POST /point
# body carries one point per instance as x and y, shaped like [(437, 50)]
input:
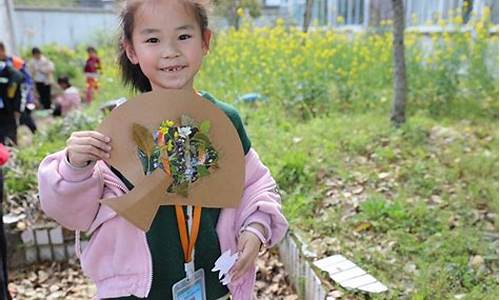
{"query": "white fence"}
[(66, 26), (363, 13), (73, 26)]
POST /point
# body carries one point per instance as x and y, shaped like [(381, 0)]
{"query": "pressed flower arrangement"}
[(183, 151)]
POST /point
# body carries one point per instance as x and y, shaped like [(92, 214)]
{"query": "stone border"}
[(299, 268), (50, 242)]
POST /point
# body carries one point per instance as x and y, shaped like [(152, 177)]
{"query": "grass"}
[(411, 206)]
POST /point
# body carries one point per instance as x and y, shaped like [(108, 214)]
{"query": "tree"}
[(399, 67), (307, 15)]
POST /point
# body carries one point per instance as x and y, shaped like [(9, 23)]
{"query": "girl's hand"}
[(248, 246), (84, 147)]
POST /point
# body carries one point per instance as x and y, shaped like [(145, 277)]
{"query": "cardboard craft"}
[(223, 187)]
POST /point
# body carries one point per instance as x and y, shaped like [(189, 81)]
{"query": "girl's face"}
[(167, 43)]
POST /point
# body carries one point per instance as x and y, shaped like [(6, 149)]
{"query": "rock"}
[(383, 175), (53, 288), (334, 295), (476, 262)]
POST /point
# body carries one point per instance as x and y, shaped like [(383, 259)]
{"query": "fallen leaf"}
[(383, 175), (363, 226)]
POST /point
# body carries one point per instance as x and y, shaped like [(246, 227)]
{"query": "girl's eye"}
[(184, 37), (152, 40)]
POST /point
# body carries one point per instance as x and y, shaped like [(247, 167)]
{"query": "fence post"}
[(366, 13), (349, 13), (335, 10)]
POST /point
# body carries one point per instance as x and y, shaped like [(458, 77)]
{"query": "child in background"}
[(41, 70), (162, 47), (69, 100), (92, 69)]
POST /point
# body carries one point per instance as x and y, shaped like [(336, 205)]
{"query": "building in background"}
[(364, 13), (7, 27), (80, 21)]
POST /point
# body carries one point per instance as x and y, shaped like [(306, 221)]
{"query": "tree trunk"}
[(399, 73), (467, 10), (307, 15), (233, 14)]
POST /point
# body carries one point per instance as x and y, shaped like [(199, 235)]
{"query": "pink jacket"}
[(69, 100), (117, 257)]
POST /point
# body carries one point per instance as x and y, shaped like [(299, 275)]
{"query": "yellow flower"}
[(240, 12), (165, 125)]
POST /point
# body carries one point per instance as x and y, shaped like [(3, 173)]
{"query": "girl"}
[(162, 47), (91, 70), (41, 69), (69, 99)]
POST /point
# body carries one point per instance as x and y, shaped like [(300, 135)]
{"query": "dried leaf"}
[(358, 190), (363, 226), (143, 138), (383, 175), (187, 121)]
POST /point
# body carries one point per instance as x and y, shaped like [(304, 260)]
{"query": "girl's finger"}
[(94, 142), (85, 157), (242, 265), (89, 149), (93, 134), (235, 273)]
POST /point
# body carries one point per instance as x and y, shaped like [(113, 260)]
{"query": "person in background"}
[(41, 69), (27, 99), (92, 69), (69, 100), (10, 101)]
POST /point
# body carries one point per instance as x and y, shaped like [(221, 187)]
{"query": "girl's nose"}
[(169, 51)]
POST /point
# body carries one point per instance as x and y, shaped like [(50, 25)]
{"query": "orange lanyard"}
[(188, 246)]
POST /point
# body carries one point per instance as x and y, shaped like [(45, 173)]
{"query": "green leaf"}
[(182, 189), (202, 138), (144, 160), (203, 171), (205, 126)]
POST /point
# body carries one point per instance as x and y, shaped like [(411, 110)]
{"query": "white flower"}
[(185, 131)]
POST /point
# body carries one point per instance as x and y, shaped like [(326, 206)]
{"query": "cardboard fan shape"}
[(175, 147)]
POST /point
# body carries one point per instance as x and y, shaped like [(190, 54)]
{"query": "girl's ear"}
[(129, 50), (207, 36)]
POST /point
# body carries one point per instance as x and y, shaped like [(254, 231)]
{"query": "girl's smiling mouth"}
[(175, 68)]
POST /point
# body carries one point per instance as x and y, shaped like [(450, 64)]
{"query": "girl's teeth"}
[(174, 69)]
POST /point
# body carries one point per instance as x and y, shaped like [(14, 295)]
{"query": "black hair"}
[(63, 80)]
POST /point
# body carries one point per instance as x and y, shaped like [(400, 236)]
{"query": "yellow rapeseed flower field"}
[(329, 66)]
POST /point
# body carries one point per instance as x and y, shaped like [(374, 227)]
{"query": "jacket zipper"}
[(148, 277)]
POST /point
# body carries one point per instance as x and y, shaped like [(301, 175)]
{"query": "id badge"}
[(193, 289)]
